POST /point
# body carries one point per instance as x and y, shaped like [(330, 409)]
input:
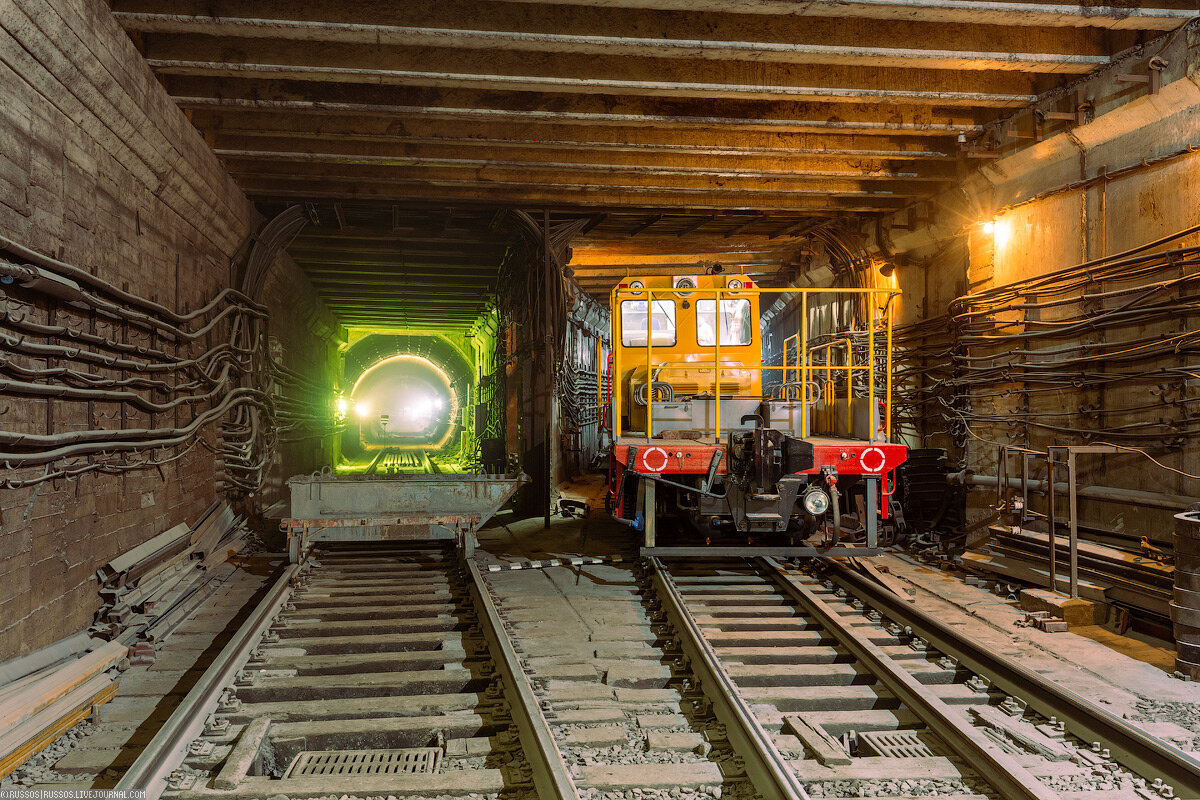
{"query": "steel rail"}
[(1001, 770), (766, 767), (551, 777), (167, 749), (1131, 747)]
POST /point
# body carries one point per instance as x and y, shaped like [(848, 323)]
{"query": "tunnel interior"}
[(243, 242), (407, 392)]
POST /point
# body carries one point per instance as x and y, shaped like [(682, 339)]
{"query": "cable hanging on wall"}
[(130, 384)]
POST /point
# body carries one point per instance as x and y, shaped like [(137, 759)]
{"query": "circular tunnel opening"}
[(405, 401)]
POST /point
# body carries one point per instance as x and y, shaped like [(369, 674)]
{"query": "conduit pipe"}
[(84, 278), (1170, 502)]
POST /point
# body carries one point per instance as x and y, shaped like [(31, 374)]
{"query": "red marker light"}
[(749, 284), (622, 285)]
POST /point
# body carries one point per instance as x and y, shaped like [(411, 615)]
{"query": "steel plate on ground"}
[(411, 761)]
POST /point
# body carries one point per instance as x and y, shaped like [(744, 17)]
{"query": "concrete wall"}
[(1057, 209), (99, 168)]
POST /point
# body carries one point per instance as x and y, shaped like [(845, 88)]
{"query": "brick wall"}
[(99, 168)]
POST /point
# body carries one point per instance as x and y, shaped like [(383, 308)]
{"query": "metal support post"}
[(1050, 464), (1074, 542), (1025, 486), (872, 512), (649, 510), (547, 264)]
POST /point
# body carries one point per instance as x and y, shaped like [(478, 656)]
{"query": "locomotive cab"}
[(791, 456)]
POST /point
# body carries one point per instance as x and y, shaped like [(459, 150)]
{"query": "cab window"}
[(734, 321), (633, 323)]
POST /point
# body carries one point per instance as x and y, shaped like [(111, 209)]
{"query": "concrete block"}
[(649, 697), (1073, 611), (623, 650), (639, 675), (674, 742), (607, 736), (589, 716), (568, 672), (467, 748), (573, 692), (653, 721)]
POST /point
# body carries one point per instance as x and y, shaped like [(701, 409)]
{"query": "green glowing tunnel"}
[(407, 392)]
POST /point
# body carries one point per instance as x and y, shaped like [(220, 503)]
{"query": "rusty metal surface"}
[(464, 502)]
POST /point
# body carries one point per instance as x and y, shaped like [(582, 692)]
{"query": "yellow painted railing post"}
[(717, 358), (617, 387), (649, 362), (850, 386), (599, 385), (802, 351), (871, 367), (890, 312)]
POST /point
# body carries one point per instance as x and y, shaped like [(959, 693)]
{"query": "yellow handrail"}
[(804, 362), (717, 358)]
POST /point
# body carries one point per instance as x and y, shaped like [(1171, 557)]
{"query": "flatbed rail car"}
[(793, 459)]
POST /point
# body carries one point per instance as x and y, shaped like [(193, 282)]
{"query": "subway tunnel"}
[(683, 278)]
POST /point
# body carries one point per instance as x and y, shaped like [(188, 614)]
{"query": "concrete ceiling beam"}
[(825, 165), (481, 167), (558, 84), (943, 126), (280, 190), (827, 41), (235, 127), (745, 187), (1161, 16)]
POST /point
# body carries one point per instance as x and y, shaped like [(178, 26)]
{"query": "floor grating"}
[(411, 761)]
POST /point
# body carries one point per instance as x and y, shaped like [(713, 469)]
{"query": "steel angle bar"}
[(703, 551), (167, 749), (766, 767), (550, 774), (1130, 746), (1010, 779)]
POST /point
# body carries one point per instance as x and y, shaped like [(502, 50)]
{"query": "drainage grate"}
[(894, 744), (413, 761)]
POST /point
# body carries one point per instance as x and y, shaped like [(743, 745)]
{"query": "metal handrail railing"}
[(803, 353)]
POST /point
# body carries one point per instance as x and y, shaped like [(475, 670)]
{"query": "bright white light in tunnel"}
[(420, 410), (342, 405), (999, 230), (362, 409), (420, 406), (1002, 232)]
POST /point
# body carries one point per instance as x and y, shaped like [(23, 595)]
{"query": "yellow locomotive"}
[(790, 459)]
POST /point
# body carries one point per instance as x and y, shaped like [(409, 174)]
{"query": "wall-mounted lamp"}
[(999, 230)]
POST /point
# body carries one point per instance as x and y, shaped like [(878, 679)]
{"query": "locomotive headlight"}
[(636, 285), (815, 501), (684, 283), (734, 283)]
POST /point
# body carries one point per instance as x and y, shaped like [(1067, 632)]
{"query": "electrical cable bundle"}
[(133, 385), (1034, 358)]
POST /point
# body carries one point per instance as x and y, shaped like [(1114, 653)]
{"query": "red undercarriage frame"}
[(689, 457)]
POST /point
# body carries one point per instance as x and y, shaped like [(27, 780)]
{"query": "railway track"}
[(341, 683), (372, 671), (392, 461), (833, 683)]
